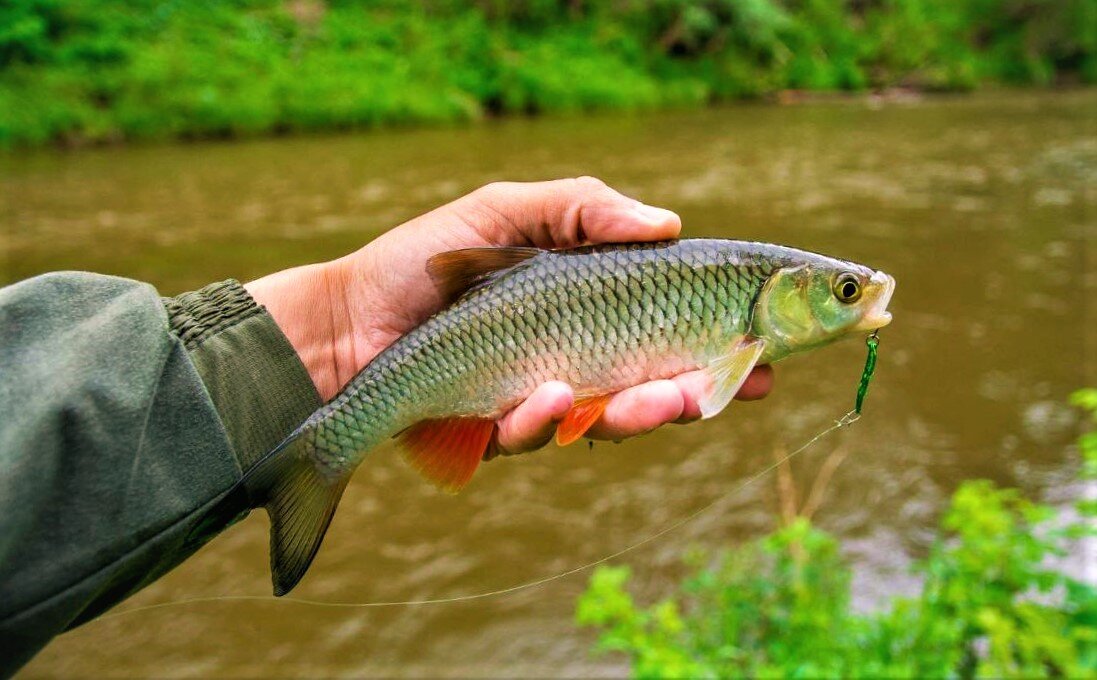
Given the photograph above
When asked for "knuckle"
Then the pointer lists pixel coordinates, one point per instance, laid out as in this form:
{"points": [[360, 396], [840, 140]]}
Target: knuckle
{"points": [[493, 190], [589, 185]]}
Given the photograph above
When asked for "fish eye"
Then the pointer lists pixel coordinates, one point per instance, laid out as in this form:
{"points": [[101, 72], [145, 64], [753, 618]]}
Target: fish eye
{"points": [[847, 288]]}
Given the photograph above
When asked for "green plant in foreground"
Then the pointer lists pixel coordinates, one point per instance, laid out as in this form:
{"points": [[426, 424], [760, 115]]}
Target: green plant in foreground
{"points": [[991, 604]]}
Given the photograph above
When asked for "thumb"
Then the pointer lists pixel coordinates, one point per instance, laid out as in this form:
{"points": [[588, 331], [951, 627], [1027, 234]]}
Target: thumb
{"points": [[567, 212]]}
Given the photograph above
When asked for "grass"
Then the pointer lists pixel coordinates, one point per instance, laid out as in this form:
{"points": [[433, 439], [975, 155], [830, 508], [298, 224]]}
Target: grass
{"points": [[107, 70]]}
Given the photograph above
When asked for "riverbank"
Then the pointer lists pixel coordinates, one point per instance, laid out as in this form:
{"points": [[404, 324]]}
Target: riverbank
{"points": [[107, 71]]}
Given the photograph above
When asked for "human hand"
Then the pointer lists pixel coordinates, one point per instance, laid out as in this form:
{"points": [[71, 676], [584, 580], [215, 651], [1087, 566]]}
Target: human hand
{"points": [[339, 315]]}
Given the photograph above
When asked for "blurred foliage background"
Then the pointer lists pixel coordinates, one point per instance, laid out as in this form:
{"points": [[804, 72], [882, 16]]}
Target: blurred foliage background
{"points": [[104, 70]]}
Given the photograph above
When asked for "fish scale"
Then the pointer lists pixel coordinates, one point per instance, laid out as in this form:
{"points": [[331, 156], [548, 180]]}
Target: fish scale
{"points": [[599, 318]]}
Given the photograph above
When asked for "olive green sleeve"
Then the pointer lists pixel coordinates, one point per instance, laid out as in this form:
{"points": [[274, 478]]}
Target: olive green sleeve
{"points": [[126, 421], [253, 375]]}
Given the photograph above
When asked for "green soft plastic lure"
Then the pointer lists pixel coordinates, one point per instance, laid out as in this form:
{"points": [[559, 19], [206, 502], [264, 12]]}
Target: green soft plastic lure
{"points": [[872, 342]]}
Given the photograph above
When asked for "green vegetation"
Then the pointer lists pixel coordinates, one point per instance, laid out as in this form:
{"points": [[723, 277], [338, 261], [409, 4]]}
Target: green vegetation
{"points": [[991, 603], [98, 70]]}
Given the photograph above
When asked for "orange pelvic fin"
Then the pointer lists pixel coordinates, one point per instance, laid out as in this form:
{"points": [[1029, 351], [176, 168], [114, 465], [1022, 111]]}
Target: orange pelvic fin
{"points": [[447, 452], [583, 414]]}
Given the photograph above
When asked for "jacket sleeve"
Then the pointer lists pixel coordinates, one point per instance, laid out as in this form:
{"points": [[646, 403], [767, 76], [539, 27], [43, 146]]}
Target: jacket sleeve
{"points": [[126, 421]]}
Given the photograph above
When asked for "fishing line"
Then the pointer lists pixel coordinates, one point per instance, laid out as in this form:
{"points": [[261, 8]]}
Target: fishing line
{"points": [[846, 420]]}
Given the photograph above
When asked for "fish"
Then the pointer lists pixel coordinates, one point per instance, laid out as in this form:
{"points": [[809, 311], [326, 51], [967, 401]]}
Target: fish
{"points": [[600, 318]]}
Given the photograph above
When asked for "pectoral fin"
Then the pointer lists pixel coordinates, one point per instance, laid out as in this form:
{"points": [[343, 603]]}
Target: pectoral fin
{"points": [[728, 373]]}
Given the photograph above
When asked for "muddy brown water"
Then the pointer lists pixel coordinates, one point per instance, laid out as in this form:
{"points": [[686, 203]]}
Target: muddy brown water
{"points": [[982, 207]]}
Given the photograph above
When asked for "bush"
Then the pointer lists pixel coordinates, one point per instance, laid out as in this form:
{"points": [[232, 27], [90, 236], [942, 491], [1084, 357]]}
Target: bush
{"points": [[991, 603], [94, 70]]}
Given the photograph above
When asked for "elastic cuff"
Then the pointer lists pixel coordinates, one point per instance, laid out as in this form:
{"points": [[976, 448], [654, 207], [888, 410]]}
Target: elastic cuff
{"points": [[197, 315], [257, 382]]}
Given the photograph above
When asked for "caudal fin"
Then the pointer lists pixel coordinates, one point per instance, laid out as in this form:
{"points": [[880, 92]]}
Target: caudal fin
{"points": [[300, 502]]}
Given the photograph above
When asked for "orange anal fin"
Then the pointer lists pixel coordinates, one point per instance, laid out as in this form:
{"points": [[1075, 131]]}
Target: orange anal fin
{"points": [[447, 452], [583, 414]]}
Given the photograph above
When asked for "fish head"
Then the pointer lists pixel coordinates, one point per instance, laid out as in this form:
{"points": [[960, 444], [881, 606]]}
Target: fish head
{"points": [[808, 305]]}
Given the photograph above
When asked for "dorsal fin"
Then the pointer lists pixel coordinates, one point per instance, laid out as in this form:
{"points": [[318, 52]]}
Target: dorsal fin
{"points": [[458, 271]]}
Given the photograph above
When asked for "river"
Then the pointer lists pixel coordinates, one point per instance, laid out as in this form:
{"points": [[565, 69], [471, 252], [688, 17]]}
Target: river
{"points": [[982, 207]]}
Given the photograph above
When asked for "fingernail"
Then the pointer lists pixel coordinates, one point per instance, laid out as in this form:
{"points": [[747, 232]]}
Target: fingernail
{"points": [[655, 216]]}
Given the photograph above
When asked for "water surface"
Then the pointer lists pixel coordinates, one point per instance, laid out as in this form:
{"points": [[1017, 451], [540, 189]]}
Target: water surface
{"points": [[981, 207]]}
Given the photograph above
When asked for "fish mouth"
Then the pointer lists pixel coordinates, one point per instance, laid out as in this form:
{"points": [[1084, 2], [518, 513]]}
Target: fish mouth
{"points": [[877, 316]]}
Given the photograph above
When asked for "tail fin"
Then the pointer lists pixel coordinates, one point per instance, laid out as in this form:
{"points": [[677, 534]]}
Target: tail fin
{"points": [[300, 502]]}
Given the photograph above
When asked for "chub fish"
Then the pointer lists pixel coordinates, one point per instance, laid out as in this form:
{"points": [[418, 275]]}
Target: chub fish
{"points": [[600, 318]]}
